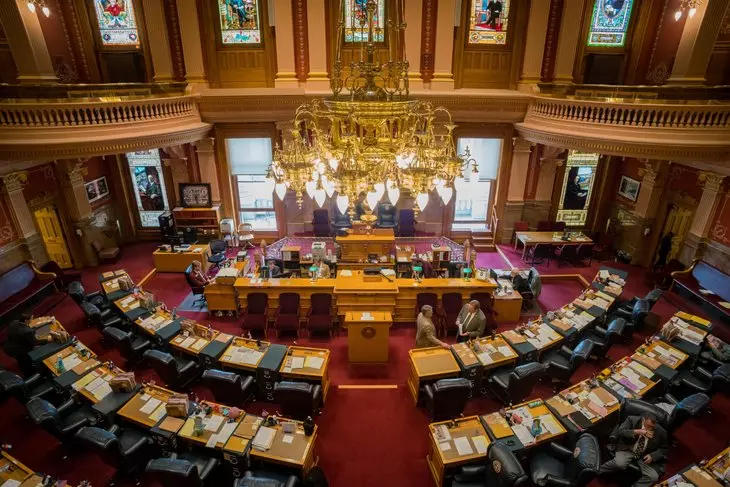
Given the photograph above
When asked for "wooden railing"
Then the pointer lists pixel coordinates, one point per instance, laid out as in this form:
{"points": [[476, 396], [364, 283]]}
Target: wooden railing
{"points": [[95, 112], [712, 115], [494, 223]]}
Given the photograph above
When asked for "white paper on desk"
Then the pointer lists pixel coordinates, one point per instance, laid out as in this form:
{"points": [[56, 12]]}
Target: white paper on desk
{"points": [[313, 362], [212, 441], [214, 422], [11, 483], [524, 413], [594, 397], [445, 446], [297, 362], [159, 413], [506, 351], [641, 369], [145, 397], [132, 306], [150, 406], [227, 431], [71, 361], [102, 391], [523, 434], [535, 343], [529, 334], [125, 302], [251, 357], [548, 422], [187, 342], [480, 444], [346, 273], [366, 316], [485, 358], [463, 447], [287, 438], [94, 384], [198, 345]]}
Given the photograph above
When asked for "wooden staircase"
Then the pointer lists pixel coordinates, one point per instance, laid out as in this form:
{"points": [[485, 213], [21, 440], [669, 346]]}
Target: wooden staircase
{"points": [[483, 240]]}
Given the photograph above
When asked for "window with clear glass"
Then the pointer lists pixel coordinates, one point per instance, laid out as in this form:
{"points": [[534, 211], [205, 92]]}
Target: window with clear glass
{"points": [[249, 159], [240, 21], [473, 194], [117, 22], [356, 25], [149, 186], [488, 21], [609, 23]]}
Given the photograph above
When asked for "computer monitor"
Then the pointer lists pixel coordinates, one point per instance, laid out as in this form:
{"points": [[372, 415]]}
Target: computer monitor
{"points": [[190, 235]]}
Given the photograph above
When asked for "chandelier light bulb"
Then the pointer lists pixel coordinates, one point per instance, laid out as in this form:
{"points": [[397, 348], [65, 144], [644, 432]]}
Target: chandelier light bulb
{"points": [[47, 12], [280, 189], [31, 6], [422, 200], [393, 193], [692, 12], [334, 163], [380, 190], [310, 187], [445, 193], [372, 199], [342, 203], [677, 15], [270, 183], [329, 186], [320, 196]]}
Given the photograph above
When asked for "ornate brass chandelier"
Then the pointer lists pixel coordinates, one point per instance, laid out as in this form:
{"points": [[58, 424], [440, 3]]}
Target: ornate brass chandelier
{"points": [[370, 137]]}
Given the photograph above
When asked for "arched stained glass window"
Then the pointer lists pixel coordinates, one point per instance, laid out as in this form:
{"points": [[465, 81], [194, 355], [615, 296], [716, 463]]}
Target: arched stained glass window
{"points": [[356, 26], [609, 23], [488, 20], [240, 21], [117, 22], [149, 185]]}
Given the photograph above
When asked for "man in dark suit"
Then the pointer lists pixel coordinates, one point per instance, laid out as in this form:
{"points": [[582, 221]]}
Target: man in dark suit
{"points": [[641, 442], [471, 321]]}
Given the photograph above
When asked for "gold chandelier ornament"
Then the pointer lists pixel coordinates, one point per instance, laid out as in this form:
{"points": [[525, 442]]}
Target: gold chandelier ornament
{"points": [[690, 6], [370, 137]]}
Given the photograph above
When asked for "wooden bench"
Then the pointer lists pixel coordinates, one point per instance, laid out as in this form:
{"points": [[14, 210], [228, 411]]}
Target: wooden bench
{"points": [[702, 276], [23, 287]]}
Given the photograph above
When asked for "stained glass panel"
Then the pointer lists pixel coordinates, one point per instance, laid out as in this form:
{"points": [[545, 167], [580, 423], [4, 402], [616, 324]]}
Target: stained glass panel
{"points": [[488, 21], [240, 21], [356, 26], [149, 186], [609, 23], [117, 22], [575, 198]]}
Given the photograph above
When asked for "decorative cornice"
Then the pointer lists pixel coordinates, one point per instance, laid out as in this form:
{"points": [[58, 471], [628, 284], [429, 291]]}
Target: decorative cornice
{"points": [[301, 39], [204, 144], [428, 38], [521, 145]]}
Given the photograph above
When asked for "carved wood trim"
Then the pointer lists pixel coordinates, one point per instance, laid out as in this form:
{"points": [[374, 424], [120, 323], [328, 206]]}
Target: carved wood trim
{"points": [[175, 39], [75, 39], [551, 40], [428, 38], [301, 39]]}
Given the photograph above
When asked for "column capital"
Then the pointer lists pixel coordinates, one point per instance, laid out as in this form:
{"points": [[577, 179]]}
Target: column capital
{"points": [[710, 181], [205, 144], [545, 161], [15, 181], [521, 145]]}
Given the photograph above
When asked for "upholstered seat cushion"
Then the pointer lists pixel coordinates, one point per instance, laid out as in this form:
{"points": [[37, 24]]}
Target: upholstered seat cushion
{"points": [[255, 321], [699, 383], [544, 465], [205, 465], [501, 378], [695, 403], [77, 418], [10, 382], [140, 343], [131, 440], [287, 322], [184, 365], [111, 253], [557, 358], [320, 322]]}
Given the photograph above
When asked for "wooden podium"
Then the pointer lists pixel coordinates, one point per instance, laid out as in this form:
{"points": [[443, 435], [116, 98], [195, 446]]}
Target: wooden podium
{"points": [[367, 339]]}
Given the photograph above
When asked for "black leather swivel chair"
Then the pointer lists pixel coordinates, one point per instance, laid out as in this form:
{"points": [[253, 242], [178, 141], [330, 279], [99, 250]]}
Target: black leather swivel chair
{"points": [[11, 384], [502, 469], [266, 479], [175, 372], [63, 421], [689, 407], [217, 253], [386, 216], [559, 466], [639, 317], [122, 449], [130, 346], [702, 380], [561, 363], [297, 399], [78, 294], [651, 297], [95, 318], [513, 386], [228, 387], [446, 398], [341, 220], [182, 470], [604, 338]]}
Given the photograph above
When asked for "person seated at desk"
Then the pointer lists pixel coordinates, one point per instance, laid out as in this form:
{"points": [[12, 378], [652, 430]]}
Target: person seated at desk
{"points": [[323, 270], [272, 270], [21, 340], [640, 441], [426, 330], [198, 276], [471, 321], [427, 272]]}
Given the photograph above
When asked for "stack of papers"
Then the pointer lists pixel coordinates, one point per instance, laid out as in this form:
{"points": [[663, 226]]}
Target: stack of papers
{"points": [[71, 361], [463, 446], [150, 406], [264, 438], [313, 362], [366, 316], [245, 355], [297, 362], [523, 434], [199, 344]]}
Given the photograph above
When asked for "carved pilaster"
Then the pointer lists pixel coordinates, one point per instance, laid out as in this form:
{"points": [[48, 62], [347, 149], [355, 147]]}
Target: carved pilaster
{"points": [[173, 29], [14, 181], [301, 43], [705, 213], [12, 186], [710, 181], [206, 161], [428, 38], [537, 25], [551, 40], [518, 173], [179, 170]]}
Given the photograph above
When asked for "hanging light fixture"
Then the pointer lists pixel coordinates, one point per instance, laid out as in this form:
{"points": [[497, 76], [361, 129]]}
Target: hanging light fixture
{"points": [[422, 201], [393, 192], [33, 4], [690, 6], [320, 196], [342, 203]]}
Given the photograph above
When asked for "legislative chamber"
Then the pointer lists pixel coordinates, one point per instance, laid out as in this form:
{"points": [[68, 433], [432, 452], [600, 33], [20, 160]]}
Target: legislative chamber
{"points": [[347, 243]]}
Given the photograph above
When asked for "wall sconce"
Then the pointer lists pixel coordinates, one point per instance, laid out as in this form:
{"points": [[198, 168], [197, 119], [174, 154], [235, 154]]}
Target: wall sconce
{"points": [[33, 4], [690, 6]]}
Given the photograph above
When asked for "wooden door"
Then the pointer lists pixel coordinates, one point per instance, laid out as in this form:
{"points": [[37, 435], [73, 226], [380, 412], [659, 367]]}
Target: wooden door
{"points": [[678, 222], [53, 238]]}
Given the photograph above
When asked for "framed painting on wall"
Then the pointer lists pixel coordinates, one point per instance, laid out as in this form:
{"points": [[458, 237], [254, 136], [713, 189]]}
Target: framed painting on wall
{"points": [[97, 189], [575, 198], [629, 188], [195, 195]]}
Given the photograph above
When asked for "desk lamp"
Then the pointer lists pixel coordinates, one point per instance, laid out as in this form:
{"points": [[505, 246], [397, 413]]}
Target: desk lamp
{"points": [[467, 272], [313, 273]]}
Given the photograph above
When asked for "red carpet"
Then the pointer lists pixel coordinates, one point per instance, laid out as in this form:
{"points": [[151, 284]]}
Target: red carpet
{"points": [[367, 436]]}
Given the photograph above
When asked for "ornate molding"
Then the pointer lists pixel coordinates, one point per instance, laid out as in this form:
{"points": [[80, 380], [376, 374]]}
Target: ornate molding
{"points": [[173, 29], [522, 145], [710, 181], [551, 39], [301, 39], [204, 145], [15, 181], [428, 38]]}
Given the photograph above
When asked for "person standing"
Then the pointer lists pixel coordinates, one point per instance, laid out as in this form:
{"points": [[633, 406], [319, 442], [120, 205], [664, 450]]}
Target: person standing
{"points": [[426, 330], [471, 321], [21, 340], [665, 247]]}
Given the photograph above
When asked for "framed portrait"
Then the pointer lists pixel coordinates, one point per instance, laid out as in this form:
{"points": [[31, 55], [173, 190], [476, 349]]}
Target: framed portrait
{"points": [[97, 189], [629, 188], [195, 195]]}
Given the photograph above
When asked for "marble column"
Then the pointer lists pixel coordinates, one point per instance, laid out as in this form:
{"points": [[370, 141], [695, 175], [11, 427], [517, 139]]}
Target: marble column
{"points": [[537, 25], [318, 78], [154, 17], [697, 237], [191, 42], [648, 202], [286, 76], [12, 188], [27, 44], [570, 37], [515, 205], [413, 17], [178, 164], [73, 188], [697, 41], [208, 170], [443, 78]]}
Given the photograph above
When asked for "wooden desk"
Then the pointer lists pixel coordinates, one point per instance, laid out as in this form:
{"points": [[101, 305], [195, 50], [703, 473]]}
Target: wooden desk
{"points": [[239, 443], [12, 469], [690, 330], [661, 352], [244, 354], [695, 320], [494, 352], [499, 429], [155, 322], [595, 403], [133, 409], [719, 464], [94, 386], [431, 363], [443, 454], [179, 261], [508, 307], [356, 248], [615, 380], [529, 347], [273, 288], [352, 293], [198, 343], [298, 453], [110, 281], [529, 239], [315, 366], [221, 294], [368, 339], [131, 306], [409, 289], [44, 325], [693, 475], [216, 424], [75, 357]]}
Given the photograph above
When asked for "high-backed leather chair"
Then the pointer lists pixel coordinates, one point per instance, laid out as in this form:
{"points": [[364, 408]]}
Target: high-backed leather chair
{"points": [[561, 467], [266, 479], [446, 398], [321, 223], [123, 449], [194, 287], [451, 304], [702, 380], [604, 338], [651, 297], [228, 387], [175, 372], [129, 345], [94, 316], [561, 363], [182, 470], [386, 216], [217, 253], [502, 469], [529, 288], [297, 399], [287, 314], [78, 294], [341, 220], [406, 223], [256, 316], [689, 407], [11, 384], [63, 421], [319, 316], [639, 317], [513, 386]]}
